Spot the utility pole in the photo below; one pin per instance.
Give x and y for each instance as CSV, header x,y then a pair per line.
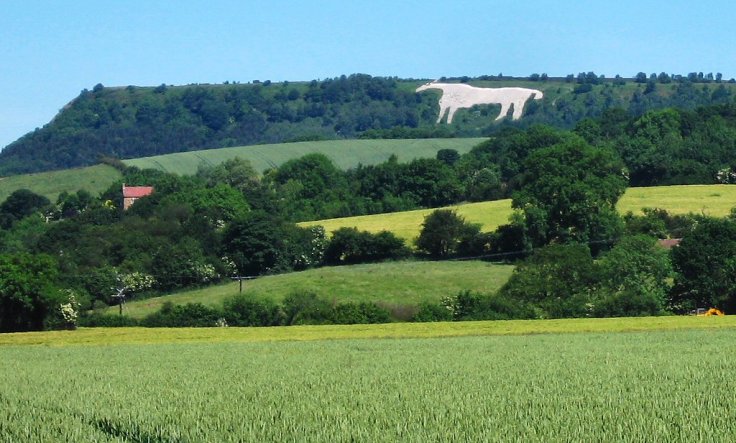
x,y
120,296
240,279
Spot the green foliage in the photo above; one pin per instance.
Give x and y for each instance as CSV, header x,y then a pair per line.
x,y
189,315
705,262
430,312
568,192
359,313
557,280
98,320
444,233
350,246
19,205
306,308
635,279
28,295
244,310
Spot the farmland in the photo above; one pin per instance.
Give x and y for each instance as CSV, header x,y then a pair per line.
x,y
345,383
344,153
712,200
391,284
94,179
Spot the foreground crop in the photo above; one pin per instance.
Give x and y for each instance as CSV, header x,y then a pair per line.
x,y
643,386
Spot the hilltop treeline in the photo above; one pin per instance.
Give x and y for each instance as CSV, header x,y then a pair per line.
x,y
130,122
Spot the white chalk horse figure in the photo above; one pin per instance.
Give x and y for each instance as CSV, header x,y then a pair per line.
x,y
459,95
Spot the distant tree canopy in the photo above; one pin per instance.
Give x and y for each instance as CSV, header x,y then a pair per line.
x,y
134,122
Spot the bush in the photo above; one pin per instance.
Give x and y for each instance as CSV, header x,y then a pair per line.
x,y
243,310
469,306
429,312
359,313
350,246
306,308
183,316
98,320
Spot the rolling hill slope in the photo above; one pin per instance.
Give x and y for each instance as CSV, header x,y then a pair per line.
x,y
714,200
393,284
345,154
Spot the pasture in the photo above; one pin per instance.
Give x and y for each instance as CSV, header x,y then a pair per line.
x,y
391,284
479,381
712,200
94,179
345,154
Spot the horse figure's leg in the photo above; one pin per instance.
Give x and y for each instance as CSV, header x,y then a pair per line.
x,y
519,108
451,114
504,110
443,109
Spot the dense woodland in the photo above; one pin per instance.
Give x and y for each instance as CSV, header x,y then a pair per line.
x,y
575,255
130,122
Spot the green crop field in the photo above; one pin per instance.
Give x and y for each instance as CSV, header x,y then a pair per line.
x,y
713,200
477,383
94,179
392,284
344,153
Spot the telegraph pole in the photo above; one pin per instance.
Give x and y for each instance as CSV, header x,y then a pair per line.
x,y
240,279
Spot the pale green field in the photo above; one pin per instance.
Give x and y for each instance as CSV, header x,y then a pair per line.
x,y
94,179
344,153
713,200
406,283
671,383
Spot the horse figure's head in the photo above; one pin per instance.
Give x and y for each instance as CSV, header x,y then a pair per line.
x,y
426,86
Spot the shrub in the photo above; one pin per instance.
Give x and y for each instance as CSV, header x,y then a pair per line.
x,y
467,305
350,246
243,310
359,313
98,320
306,308
182,316
429,312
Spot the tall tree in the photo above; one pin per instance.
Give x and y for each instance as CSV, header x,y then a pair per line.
x,y
569,193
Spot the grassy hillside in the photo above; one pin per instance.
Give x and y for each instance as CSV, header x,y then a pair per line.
x,y
94,179
714,200
344,153
392,284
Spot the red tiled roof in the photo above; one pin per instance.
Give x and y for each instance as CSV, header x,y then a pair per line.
x,y
669,243
137,191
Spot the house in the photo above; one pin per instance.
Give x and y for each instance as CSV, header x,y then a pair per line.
x,y
669,243
133,193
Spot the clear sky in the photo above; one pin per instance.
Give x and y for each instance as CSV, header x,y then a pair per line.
x,y
51,50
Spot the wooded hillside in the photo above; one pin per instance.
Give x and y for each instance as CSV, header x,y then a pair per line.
x,y
130,122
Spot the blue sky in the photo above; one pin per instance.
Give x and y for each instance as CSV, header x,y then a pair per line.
x,y
51,50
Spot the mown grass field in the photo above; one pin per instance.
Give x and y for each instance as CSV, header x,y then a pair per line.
x,y
344,153
476,381
94,179
392,284
713,200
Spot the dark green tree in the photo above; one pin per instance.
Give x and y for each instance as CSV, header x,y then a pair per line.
x,y
444,233
27,291
557,281
705,266
569,193
635,279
